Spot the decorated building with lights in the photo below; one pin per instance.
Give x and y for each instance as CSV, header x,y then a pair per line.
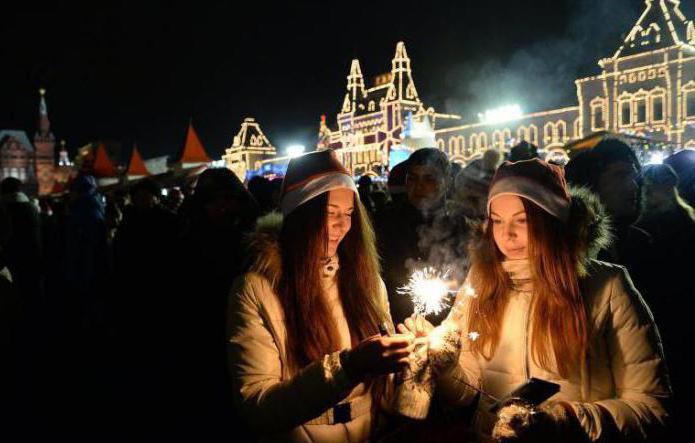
x,y
373,121
251,151
32,163
647,88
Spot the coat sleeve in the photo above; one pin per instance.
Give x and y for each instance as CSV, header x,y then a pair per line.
x,y
454,386
639,411
268,403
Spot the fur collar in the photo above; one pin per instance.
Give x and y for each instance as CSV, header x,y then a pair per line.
x,y
589,222
263,246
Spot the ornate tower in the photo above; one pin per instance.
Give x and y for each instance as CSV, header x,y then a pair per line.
x,y
355,88
402,86
44,143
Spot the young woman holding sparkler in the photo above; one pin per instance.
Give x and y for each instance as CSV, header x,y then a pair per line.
x,y
542,308
306,355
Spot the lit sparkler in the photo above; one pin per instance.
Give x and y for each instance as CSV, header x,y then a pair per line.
x,y
429,290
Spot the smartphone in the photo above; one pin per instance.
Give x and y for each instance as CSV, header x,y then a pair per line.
x,y
534,392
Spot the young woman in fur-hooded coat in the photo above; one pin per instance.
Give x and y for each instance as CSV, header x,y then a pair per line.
x,y
542,308
306,358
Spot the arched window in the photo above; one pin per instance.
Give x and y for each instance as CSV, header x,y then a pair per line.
x,y
689,100
497,140
625,109
577,128
560,132
640,107
657,106
533,134
461,144
453,145
598,118
482,140
548,131
522,133
440,144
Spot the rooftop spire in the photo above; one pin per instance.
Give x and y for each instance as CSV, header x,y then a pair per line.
x,y
355,87
402,85
356,81
44,123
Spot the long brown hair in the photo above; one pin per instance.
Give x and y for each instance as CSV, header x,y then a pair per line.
x,y
311,332
558,312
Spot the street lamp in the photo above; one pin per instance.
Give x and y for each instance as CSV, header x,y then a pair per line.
x,y
295,150
501,114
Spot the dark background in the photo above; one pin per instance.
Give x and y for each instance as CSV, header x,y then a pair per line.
x,y
131,71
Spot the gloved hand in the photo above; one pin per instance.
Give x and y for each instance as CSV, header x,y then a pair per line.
x,y
444,347
551,422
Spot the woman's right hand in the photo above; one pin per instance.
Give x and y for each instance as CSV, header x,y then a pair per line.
x,y
379,355
416,325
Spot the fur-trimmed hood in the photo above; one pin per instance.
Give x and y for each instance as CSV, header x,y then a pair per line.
x,y
588,221
263,247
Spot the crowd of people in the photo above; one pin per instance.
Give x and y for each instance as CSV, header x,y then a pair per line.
x,y
226,311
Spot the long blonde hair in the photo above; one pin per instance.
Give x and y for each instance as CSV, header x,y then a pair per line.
x,y
558,313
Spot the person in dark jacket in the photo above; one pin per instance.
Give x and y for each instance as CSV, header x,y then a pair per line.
x,y
419,231
611,170
22,248
144,309
671,222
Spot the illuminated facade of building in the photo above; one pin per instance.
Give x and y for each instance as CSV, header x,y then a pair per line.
x,y
647,88
250,150
371,121
32,163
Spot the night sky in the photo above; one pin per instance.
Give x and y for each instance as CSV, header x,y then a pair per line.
x,y
126,71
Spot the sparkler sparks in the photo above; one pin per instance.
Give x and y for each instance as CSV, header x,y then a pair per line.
x,y
429,290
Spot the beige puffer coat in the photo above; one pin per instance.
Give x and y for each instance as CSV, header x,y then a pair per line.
x,y
309,406
621,392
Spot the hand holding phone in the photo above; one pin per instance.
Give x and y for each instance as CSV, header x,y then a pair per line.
x,y
534,392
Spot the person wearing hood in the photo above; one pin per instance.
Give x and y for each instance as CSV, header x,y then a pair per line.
x,y
306,356
214,221
86,259
543,308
